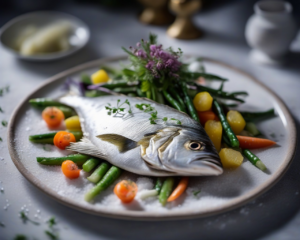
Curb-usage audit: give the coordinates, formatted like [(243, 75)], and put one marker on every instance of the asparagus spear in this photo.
[(112, 175), (166, 190), (90, 164), (99, 172), (76, 158)]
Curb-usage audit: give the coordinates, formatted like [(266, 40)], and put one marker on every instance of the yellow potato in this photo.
[(203, 101), (230, 158), (99, 77), (236, 121), (73, 123), (214, 131)]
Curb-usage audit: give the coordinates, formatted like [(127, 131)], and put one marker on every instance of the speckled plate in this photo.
[(218, 194)]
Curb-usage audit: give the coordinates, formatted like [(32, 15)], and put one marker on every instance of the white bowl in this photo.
[(79, 36)]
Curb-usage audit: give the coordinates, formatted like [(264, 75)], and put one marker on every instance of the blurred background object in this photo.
[(270, 31), (156, 12), (183, 27)]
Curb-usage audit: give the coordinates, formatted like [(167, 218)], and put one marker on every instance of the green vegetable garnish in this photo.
[(4, 123), (26, 219), (118, 109)]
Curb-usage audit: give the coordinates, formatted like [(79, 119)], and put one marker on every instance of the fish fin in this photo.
[(85, 146), (122, 143)]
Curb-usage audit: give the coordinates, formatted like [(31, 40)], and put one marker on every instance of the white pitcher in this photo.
[(270, 31)]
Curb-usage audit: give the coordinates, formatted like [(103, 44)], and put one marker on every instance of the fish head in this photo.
[(190, 151)]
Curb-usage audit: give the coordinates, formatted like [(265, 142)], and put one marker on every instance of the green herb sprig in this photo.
[(119, 109), (4, 123), (26, 219), (147, 108), (196, 192)]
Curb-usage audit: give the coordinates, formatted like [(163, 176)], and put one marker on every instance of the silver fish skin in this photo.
[(129, 141)]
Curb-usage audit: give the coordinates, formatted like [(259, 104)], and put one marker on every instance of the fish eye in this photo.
[(195, 146)]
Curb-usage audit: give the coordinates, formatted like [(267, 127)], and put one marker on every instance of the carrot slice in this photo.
[(182, 185), (253, 142), (205, 116), (53, 116), (70, 169), (63, 139), (126, 190)]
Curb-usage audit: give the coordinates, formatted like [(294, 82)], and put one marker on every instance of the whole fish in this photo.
[(116, 130)]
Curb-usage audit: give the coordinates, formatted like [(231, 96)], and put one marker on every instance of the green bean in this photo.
[(207, 76), (253, 116), (90, 164), (125, 90), (166, 190), (189, 103), (140, 93), (254, 159), (251, 127), (67, 111), (47, 138), (99, 172), (234, 142), (148, 94), (94, 93), (158, 184), (116, 84), (108, 179), (44, 102), (76, 158), (172, 101), (221, 94), (177, 97)]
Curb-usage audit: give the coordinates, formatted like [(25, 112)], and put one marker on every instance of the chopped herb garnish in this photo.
[(2, 224), (51, 222), (26, 219), (4, 123), (196, 193), (118, 109), (1, 110), (1, 139), (51, 235), (147, 108), (20, 237), (3, 90)]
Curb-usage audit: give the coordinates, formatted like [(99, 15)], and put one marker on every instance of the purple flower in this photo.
[(141, 53), (138, 44), (159, 66), (153, 48), (150, 64)]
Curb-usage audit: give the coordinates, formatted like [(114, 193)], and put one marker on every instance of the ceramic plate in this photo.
[(77, 39), (218, 194)]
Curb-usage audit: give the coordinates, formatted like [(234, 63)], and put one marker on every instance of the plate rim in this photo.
[(141, 215)]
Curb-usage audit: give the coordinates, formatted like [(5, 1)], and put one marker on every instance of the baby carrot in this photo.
[(253, 142), (182, 185)]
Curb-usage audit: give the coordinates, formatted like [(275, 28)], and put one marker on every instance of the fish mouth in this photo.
[(209, 166)]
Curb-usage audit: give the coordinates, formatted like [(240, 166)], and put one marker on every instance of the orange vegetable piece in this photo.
[(253, 142), (182, 185), (207, 115), (63, 139), (53, 116), (126, 190), (70, 169)]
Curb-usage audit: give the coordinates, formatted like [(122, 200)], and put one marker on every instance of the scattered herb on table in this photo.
[(52, 235), (26, 219), (4, 90), (20, 237), (1, 110), (1, 139), (51, 222), (4, 123), (196, 192)]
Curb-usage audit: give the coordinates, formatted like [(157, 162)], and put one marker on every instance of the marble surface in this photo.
[(273, 215)]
